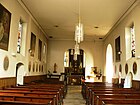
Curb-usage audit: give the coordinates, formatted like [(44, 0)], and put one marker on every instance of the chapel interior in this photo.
[(69, 52)]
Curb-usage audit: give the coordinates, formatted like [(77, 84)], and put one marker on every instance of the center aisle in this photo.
[(74, 96)]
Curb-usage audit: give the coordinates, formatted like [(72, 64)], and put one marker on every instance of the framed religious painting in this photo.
[(117, 49), (39, 49), (5, 19), (33, 44)]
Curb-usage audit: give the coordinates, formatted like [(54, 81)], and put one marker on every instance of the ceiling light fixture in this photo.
[(77, 49), (96, 27), (79, 34)]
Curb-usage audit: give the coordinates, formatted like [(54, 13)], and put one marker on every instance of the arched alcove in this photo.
[(73, 60), (128, 80), (74, 64), (109, 64), (126, 68), (20, 73)]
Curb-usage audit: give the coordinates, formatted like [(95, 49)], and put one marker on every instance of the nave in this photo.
[(74, 96)]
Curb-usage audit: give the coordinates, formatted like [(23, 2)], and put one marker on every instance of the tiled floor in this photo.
[(74, 96)]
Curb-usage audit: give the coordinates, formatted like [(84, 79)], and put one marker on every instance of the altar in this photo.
[(74, 79), (75, 70)]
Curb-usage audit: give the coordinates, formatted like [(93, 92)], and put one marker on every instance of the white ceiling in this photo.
[(64, 14)]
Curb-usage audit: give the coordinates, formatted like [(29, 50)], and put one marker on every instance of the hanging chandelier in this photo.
[(77, 51), (79, 34)]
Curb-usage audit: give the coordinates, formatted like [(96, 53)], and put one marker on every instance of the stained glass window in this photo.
[(132, 40), (20, 29)]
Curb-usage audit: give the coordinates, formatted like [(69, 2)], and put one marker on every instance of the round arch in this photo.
[(109, 64), (20, 73), (67, 57), (128, 80)]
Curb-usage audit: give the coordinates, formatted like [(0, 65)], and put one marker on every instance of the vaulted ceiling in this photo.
[(59, 17)]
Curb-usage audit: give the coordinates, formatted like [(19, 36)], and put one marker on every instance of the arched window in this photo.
[(109, 64), (20, 29), (132, 31), (66, 59), (22, 32), (130, 41)]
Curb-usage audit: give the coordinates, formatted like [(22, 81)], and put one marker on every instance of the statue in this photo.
[(55, 66)]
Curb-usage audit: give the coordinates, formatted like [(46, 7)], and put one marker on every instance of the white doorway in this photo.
[(20, 73), (128, 80), (109, 64)]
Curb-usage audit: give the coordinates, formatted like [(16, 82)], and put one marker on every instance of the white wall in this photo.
[(133, 16), (92, 49), (95, 51), (17, 12)]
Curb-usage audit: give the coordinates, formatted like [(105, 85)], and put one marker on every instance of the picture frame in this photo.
[(5, 19), (117, 49), (39, 49), (32, 44)]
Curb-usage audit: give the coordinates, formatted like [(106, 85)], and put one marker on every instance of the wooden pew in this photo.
[(26, 89), (112, 92), (121, 104), (91, 89), (3, 102), (60, 87), (46, 100), (42, 85), (114, 96), (100, 88), (49, 89), (32, 91), (87, 86), (33, 94), (105, 101), (106, 90)]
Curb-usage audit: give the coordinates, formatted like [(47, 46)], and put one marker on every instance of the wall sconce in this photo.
[(138, 57), (119, 52), (30, 51), (13, 54)]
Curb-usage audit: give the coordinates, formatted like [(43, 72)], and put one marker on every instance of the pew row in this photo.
[(105, 94)]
